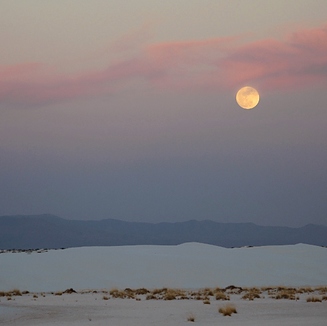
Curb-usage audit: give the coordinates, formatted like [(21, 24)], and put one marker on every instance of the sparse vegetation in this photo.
[(191, 317), (221, 296), (251, 296), (285, 293), (227, 310), (314, 299)]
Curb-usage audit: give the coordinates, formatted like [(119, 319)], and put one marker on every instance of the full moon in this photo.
[(247, 97)]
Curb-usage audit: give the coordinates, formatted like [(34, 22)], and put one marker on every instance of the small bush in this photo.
[(206, 302), (250, 296), (105, 297), (221, 296), (16, 292), (227, 310), (141, 291), (191, 318), (314, 299), (115, 293)]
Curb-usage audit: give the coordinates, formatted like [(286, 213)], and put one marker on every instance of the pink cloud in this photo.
[(297, 61)]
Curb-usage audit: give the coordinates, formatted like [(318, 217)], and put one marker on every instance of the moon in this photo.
[(247, 97)]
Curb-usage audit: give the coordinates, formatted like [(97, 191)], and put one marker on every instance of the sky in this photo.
[(126, 110)]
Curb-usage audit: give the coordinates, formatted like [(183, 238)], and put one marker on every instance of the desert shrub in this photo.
[(231, 289), (306, 290), (286, 293), (221, 296), (206, 302), (105, 297), (227, 310), (35, 296), (324, 298), (191, 318), (169, 296), (207, 292), (314, 299), (251, 296), (141, 291), (151, 297), (159, 291), (172, 294), (322, 290), (70, 291), (16, 292), (58, 293), (115, 293)]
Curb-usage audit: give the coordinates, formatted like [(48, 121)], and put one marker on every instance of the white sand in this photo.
[(186, 266), (190, 265), (91, 309)]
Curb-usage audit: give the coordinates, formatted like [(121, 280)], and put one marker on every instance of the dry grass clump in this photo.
[(314, 299), (14, 292), (251, 296), (206, 301), (167, 294), (227, 310), (159, 291), (231, 289), (127, 293), (191, 317), (105, 297), (141, 291), (285, 293), (305, 290), (173, 294), (322, 290), (222, 296)]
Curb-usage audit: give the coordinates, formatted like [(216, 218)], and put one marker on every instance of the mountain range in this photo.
[(49, 231)]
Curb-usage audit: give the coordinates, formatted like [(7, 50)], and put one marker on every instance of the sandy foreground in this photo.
[(92, 309)]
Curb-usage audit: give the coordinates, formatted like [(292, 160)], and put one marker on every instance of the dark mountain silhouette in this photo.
[(48, 231)]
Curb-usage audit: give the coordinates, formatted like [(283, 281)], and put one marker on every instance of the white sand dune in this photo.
[(190, 265)]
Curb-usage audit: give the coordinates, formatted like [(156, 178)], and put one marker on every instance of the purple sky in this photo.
[(126, 109)]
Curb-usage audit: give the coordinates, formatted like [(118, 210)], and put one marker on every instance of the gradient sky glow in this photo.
[(126, 109)]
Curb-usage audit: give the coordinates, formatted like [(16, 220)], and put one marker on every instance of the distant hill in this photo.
[(48, 231)]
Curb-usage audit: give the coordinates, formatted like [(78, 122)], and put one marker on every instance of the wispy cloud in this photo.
[(298, 60)]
